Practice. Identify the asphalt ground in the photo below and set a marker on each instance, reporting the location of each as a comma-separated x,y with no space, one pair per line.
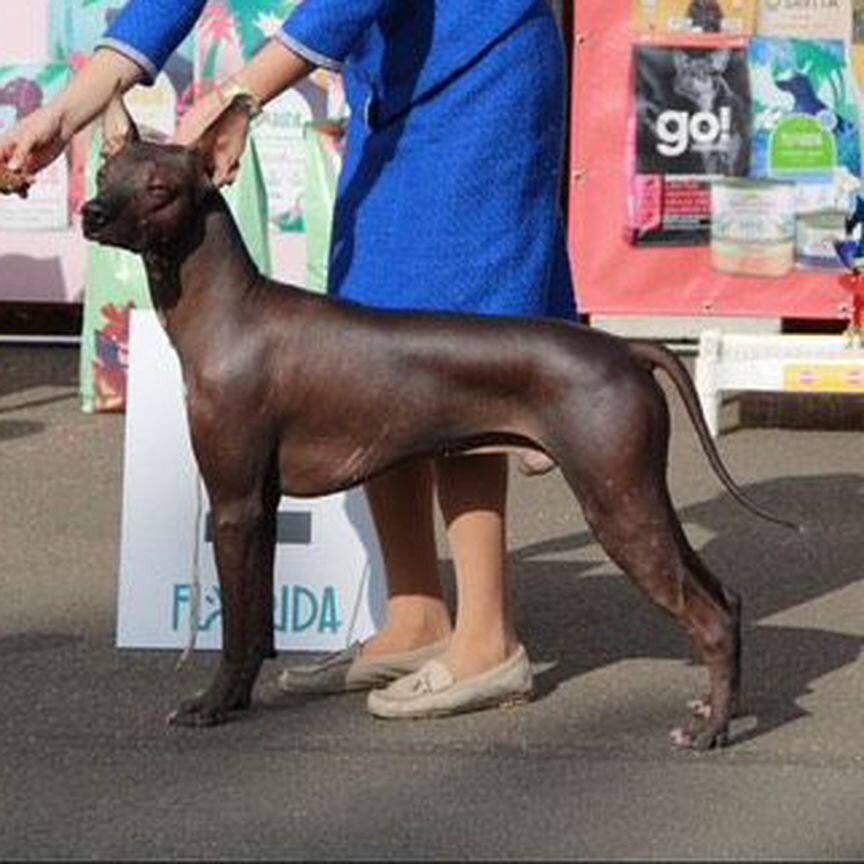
89,770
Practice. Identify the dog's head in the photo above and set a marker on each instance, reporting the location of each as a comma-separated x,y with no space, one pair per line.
149,194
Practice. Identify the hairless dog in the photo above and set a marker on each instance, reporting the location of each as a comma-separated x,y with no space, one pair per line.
291,392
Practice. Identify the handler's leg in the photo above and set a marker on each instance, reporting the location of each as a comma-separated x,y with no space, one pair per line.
472,492
401,503
483,665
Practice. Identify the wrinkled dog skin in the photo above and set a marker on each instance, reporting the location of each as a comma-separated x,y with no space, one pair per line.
289,392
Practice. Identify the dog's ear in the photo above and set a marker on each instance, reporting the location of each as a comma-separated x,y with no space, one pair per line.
118,127
205,146
221,144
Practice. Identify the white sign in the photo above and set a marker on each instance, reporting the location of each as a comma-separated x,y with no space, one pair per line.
282,151
329,582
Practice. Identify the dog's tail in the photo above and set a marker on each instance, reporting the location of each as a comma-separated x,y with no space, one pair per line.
656,356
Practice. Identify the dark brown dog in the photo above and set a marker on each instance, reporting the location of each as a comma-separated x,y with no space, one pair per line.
289,392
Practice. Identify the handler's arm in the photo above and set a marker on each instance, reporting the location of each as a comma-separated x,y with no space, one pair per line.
42,136
318,33
148,31
133,50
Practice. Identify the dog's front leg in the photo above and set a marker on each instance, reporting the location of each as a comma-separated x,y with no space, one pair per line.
245,537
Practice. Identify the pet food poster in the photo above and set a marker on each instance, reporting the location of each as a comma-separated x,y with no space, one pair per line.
766,109
692,125
693,111
806,118
23,89
812,19
729,17
717,147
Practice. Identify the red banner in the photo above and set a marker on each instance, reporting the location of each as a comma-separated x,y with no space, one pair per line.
615,273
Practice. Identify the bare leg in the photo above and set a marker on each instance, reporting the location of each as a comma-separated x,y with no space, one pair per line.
472,492
401,504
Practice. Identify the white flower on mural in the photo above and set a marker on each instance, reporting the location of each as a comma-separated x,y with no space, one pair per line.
269,23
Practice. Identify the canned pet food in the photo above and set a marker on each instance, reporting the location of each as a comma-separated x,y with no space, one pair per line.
815,235
752,227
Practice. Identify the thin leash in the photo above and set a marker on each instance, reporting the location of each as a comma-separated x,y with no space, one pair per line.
195,606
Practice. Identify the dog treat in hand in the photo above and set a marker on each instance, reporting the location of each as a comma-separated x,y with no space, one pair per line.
13,183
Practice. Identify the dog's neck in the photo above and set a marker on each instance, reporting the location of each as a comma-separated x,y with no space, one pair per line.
203,276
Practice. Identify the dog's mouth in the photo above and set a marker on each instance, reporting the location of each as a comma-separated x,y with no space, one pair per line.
96,228
90,231
94,219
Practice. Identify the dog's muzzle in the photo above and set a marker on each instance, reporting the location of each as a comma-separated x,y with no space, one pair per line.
94,218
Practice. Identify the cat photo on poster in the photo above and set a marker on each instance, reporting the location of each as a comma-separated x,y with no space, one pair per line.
693,111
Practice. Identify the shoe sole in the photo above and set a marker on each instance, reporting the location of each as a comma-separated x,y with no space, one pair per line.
505,704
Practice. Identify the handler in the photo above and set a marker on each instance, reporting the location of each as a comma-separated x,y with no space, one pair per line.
448,201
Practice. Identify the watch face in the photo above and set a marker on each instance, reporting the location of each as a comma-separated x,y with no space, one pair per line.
246,103
233,95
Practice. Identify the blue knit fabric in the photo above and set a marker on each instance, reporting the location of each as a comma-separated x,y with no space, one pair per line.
148,31
332,28
449,195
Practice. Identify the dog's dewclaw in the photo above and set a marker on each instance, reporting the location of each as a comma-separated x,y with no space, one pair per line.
13,183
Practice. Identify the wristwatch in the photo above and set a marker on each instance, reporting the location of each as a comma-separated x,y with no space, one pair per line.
232,92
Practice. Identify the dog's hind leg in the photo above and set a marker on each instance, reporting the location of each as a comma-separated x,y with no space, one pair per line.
244,529
641,533
618,474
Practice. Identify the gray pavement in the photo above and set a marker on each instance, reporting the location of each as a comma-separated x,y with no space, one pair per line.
88,770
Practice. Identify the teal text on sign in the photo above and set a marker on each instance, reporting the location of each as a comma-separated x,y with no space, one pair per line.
298,609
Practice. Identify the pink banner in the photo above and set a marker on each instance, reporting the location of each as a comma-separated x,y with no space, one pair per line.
617,276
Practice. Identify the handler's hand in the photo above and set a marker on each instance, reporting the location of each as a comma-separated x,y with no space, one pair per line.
219,133
34,142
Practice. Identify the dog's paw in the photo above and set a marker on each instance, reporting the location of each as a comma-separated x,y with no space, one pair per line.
197,713
700,708
701,740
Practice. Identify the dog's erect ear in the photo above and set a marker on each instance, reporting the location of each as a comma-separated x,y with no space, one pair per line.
118,127
222,143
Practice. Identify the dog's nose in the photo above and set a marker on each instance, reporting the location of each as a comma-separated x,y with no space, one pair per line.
94,214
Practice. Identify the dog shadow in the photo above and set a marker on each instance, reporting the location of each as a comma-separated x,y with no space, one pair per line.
13,645
26,368
10,429
584,615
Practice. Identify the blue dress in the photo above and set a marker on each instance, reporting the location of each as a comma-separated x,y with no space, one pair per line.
449,197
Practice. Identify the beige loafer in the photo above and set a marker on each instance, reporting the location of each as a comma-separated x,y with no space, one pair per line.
348,670
433,692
